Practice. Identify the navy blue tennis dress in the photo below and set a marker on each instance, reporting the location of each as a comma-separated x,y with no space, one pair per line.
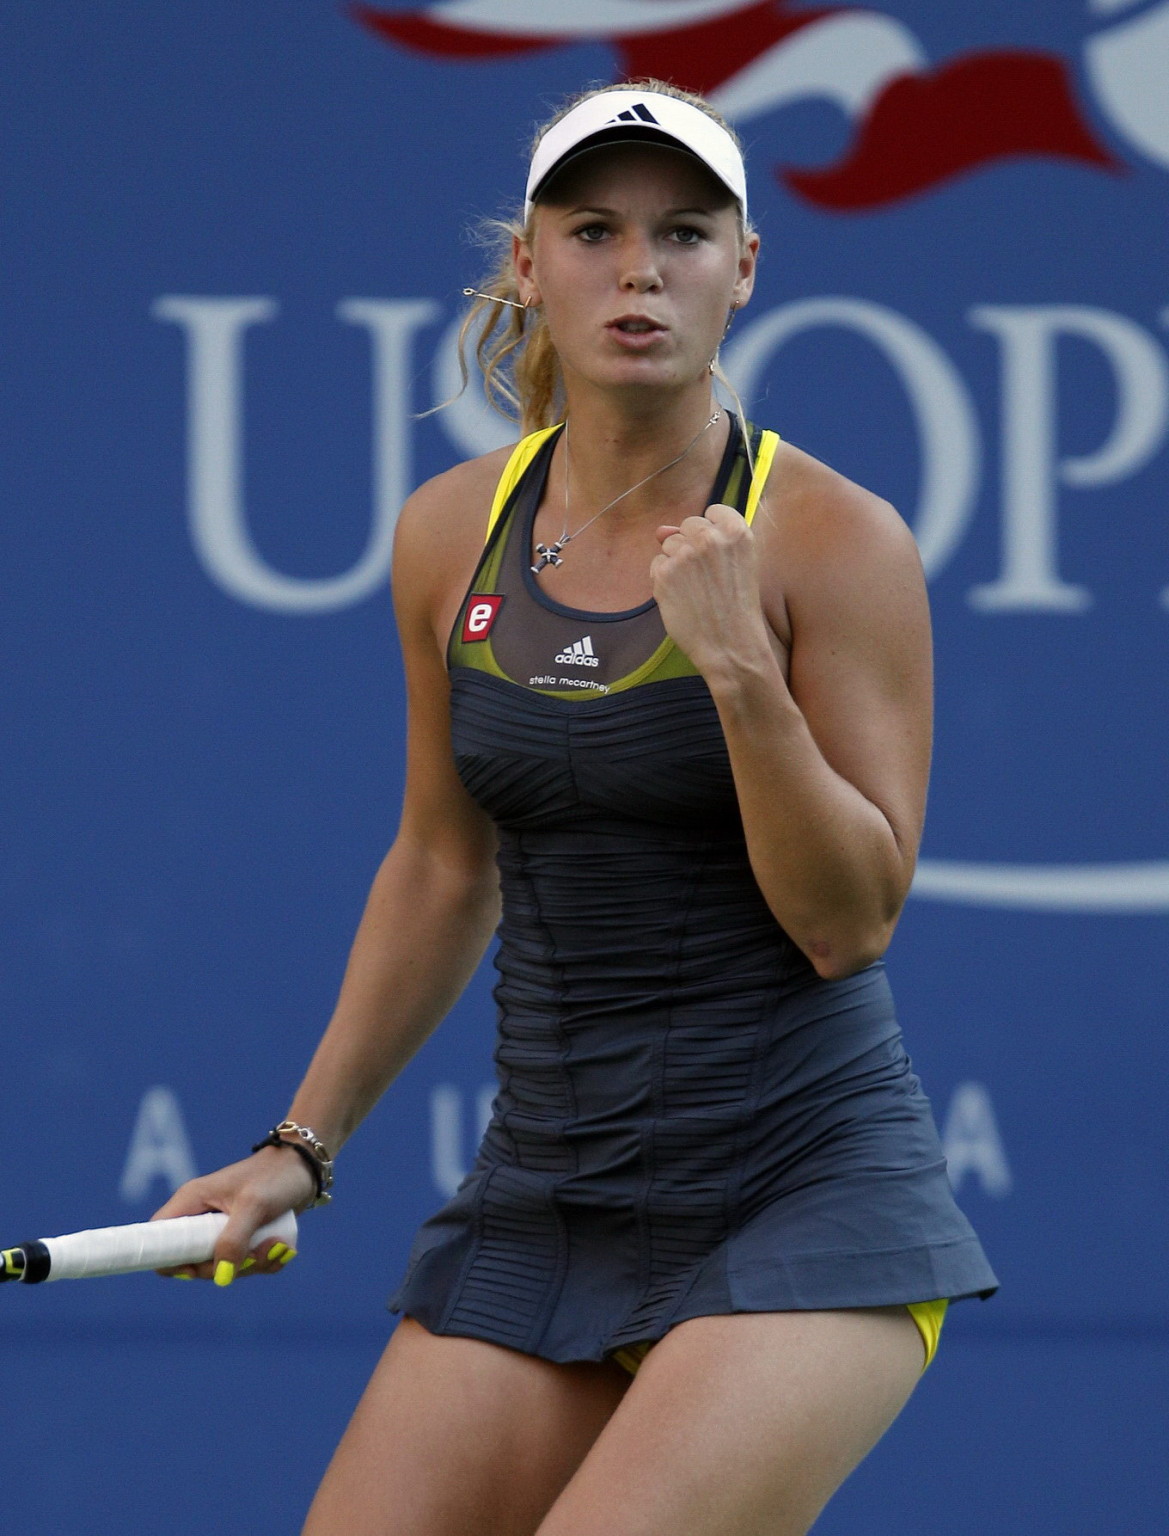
689,1120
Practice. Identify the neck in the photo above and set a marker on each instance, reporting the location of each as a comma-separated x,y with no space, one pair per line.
616,443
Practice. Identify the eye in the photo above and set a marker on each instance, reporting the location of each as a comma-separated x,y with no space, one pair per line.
591,234
687,234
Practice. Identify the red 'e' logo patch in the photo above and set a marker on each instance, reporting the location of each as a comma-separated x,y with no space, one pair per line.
480,615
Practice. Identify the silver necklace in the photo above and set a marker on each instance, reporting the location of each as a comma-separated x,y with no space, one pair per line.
553,554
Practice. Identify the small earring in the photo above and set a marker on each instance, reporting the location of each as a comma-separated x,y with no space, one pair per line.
473,293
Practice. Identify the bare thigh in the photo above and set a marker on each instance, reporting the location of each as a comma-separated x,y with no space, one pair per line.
454,1437
744,1425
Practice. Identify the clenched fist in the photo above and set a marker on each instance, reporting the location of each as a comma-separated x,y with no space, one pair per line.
706,583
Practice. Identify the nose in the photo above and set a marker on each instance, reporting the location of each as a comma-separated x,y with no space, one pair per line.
639,266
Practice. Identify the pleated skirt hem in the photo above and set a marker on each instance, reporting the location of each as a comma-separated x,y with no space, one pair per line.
828,1281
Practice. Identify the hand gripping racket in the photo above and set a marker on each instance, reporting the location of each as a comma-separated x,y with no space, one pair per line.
121,1250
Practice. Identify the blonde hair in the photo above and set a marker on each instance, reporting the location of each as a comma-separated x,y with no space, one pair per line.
521,370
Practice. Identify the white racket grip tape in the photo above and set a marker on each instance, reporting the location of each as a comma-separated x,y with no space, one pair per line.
150,1245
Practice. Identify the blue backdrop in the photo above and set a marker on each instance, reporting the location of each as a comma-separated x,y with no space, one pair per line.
235,241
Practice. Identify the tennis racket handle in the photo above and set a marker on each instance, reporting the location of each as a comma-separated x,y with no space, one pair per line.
150,1245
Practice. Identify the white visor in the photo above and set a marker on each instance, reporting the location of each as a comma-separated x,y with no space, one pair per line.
646,115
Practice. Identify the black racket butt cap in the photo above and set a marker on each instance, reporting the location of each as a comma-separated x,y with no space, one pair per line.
28,1262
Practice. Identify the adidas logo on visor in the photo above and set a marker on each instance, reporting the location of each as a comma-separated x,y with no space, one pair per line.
638,113
579,655
627,113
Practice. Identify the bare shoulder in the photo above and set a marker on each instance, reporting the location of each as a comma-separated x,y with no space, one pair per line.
452,506
826,539
440,537
820,515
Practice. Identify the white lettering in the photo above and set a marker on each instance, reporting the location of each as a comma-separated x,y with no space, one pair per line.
219,533
479,617
946,427
1032,469
448,1163
946,424
1164,319
971,1141
582,682
467,419
159,1146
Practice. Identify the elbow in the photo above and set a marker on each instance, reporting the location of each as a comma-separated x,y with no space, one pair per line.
842,932
472,888
837,956
486,899
450,877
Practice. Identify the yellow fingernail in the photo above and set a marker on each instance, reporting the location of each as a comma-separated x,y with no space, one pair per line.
288,1257
277,1251
248,1263
224,1272
182,1277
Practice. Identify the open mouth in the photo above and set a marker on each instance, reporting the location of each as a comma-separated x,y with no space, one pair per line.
635,325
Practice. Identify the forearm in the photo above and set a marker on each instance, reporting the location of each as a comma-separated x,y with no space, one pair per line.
826,858
424,930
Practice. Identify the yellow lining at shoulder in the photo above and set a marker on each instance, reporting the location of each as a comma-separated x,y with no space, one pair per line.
525,451
768,443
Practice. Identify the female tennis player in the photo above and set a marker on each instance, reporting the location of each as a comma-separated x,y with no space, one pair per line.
669,693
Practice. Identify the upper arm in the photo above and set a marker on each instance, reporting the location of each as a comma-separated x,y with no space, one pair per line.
860,661
438,815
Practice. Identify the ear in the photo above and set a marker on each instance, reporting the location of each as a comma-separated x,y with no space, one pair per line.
745,280
525,264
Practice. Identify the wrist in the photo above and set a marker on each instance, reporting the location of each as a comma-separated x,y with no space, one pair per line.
744,675
304,1141
294,1173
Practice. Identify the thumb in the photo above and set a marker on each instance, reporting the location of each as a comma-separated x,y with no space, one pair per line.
234,1241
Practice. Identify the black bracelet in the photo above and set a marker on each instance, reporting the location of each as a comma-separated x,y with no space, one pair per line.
272,1140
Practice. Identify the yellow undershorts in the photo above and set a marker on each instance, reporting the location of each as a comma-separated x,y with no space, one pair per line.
928,1315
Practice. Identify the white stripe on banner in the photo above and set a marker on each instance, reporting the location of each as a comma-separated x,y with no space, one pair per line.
577,18
1115,888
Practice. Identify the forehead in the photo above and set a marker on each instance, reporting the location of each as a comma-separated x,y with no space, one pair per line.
615,174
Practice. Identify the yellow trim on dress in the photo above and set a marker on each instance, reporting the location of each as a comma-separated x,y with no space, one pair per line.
768,443
528,447
522,455
666,660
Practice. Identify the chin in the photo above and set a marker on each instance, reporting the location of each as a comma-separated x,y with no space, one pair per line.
645,373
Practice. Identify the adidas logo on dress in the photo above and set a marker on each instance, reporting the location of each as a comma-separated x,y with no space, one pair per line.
579,655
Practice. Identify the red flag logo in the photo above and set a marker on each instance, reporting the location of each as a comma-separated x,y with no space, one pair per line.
916,125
